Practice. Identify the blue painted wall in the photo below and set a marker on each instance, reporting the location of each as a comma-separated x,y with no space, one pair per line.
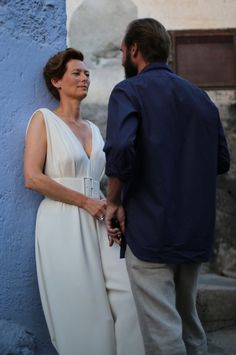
30,31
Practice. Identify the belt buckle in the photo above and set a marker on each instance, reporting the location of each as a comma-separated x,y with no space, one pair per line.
88,189
95,189
91,187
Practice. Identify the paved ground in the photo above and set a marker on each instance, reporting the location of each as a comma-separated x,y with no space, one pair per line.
222,342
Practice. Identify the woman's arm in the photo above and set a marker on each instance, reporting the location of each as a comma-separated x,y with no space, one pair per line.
35,179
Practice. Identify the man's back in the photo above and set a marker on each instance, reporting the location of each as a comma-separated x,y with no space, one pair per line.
165,145
170,167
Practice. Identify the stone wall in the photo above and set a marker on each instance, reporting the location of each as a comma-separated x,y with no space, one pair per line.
30,31
224,259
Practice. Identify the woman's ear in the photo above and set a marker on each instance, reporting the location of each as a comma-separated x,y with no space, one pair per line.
56,83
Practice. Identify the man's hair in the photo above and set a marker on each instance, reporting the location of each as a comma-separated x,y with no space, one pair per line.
56,67
151,37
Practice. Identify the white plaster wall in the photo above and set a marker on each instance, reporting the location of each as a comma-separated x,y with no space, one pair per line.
175,15
108,70
71,6
190,14
182,14
103,79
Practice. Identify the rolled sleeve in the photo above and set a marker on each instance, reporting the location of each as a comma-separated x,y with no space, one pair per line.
122,126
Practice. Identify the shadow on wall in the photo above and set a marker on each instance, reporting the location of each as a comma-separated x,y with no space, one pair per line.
97,27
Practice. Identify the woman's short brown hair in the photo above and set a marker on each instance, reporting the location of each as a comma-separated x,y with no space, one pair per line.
56,67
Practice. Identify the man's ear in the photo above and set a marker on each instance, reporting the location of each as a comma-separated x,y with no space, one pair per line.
56,83
134,50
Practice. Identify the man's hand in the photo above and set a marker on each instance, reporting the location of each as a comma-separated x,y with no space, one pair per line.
115,214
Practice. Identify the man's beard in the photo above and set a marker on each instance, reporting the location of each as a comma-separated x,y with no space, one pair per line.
130,68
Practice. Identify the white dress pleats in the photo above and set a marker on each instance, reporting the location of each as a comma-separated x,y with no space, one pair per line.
84,286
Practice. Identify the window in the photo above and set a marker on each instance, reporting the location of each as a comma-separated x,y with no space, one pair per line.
207,58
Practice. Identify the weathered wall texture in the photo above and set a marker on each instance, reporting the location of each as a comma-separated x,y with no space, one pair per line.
97,27
225,247
30,31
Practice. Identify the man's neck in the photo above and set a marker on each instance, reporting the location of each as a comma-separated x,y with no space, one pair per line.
141,63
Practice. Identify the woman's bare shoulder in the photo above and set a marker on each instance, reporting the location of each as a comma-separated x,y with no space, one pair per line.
37,121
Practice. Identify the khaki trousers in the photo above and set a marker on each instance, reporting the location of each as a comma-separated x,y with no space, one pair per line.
165,297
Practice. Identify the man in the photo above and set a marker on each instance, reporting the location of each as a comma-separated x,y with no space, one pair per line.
165,145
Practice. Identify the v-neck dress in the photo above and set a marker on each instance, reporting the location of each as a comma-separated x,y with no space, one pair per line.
84,286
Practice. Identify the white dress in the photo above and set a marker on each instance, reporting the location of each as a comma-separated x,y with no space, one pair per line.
84,286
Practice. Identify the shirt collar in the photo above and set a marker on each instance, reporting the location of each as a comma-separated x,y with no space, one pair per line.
156,65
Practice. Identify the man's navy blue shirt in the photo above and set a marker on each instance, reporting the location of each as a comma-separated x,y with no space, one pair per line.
166,142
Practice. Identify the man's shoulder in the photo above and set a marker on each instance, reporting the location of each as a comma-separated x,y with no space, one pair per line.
125,88
185,82
126,84
180,83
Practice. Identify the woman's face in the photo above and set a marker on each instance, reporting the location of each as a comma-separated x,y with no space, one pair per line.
75,82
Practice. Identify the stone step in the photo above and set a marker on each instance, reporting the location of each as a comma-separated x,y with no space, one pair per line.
222,342
216,301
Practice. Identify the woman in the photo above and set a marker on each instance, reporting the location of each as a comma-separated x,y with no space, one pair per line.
83,284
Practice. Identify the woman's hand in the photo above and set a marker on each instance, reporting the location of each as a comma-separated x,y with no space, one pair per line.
97,208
